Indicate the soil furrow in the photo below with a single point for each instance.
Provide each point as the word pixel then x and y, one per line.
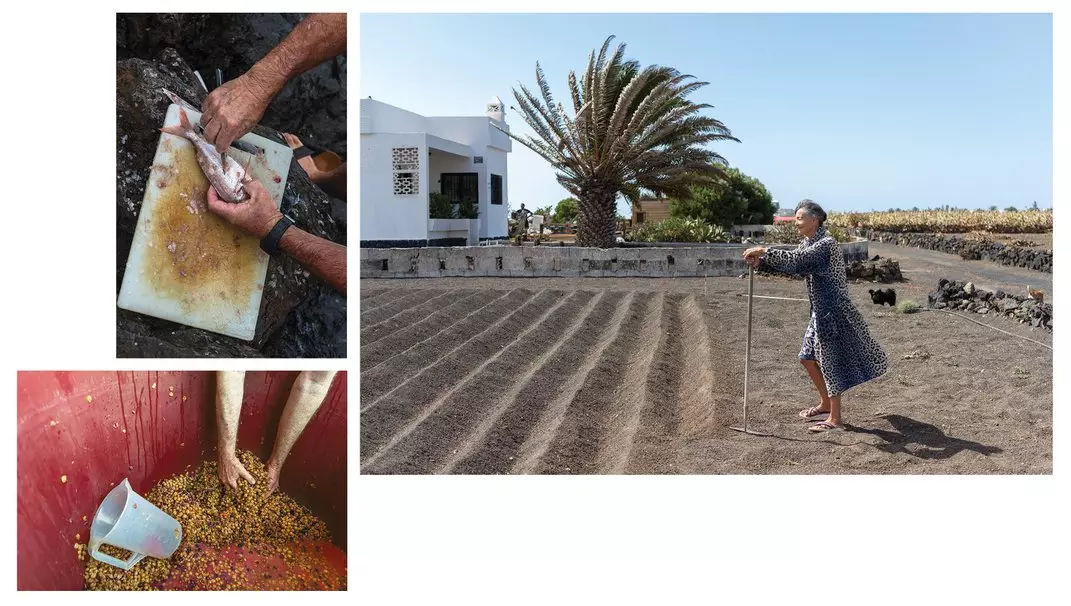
pixel 384 416
pixel 573 447
pixel 532 416
pixel 415 339
pixel 582 432
pixel 388 298
pixel 655 444
pixel 374 316
pixel 423 444
pixel 631 394
pixel 475 439
pixel 697 396
pixel 408 317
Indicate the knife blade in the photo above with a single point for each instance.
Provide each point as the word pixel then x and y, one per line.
pixel 247 147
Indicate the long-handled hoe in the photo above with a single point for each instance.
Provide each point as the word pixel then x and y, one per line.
pixel 747 354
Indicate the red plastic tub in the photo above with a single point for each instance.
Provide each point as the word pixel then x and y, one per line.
pixel 72 448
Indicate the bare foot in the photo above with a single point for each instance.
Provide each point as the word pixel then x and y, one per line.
pixel 306 163
pixel 814 411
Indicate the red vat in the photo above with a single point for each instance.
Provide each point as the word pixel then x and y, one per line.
pixel 71 427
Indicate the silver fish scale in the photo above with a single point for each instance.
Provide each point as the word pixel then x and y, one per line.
pixel 224 173
pixel 227 180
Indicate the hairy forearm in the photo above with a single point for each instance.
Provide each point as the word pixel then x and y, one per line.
pixel 230 386
pixel 305 399
pixel 317 38
pixel 323 258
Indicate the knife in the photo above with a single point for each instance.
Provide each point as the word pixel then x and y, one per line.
pixel 247 147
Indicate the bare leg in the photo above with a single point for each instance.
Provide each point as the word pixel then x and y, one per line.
pixel 305 399
pixel 333 182
pixel 230 389
pixel 834 411
pixel 815 373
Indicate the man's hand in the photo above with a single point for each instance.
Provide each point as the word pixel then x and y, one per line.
pixel 256 216
pixel 233 109
pixel 230 468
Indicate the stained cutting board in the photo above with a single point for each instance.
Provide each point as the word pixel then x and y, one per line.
pixel 186 265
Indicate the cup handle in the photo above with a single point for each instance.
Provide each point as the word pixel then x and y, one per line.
pixel 107 559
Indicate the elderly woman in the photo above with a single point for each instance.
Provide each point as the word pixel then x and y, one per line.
pixel 838 351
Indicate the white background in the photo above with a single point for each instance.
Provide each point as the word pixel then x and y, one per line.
pixel 461 540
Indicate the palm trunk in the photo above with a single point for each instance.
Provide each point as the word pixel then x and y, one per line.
pixel 598 212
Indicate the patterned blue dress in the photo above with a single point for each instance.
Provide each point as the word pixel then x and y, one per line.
pixel 837 335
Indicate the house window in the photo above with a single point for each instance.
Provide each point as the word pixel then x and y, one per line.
pixel 496 189
pixel 640 217
pixel 406 165
pixel 460 186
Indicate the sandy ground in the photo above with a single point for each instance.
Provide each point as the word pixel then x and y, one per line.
pixel 607 375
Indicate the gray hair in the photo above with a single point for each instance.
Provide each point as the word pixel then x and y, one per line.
pixel 812 209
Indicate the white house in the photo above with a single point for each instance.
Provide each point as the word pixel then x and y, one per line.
pixel 406 156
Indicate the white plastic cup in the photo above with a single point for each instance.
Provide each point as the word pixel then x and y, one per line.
pixel 125 519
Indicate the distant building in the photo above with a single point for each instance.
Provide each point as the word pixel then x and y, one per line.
pixel 650 210
pixel 405 157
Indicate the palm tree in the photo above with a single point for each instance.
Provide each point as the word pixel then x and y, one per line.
pixel 633 132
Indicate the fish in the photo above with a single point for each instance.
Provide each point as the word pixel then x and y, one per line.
pixel 224 173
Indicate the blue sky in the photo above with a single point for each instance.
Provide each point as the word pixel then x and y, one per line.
pixel 857 112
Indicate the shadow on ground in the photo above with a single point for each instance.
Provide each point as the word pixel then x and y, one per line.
pixel 932 442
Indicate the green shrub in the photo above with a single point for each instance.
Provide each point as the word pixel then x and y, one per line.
pixel 677 229
pixel 468 209
pixel 907 307
pixel 440 206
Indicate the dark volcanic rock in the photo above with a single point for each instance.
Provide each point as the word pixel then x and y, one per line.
pixel 293 300
pixel 969 249
pixel 312 106
pixel 962 295
pixel 885 271
pixel 316 328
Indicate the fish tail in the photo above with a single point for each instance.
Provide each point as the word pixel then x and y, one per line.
pixel 184 120
pixel 176 130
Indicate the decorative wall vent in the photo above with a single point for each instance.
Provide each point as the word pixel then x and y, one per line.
pixel 406 165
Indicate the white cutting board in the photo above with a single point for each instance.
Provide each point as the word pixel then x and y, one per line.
pixel 188 266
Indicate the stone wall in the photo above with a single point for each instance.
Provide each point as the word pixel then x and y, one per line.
pixel 566 261
pixel 1040 260
pixel 956 295
pixel 877 269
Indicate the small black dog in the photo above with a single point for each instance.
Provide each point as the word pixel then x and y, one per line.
pixel 883 296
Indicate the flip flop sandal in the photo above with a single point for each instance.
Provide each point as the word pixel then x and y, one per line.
pixel 823 426
pixel 325 160
pixel 811 412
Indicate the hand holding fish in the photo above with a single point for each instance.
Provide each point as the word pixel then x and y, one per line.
pixel 255 216
pixel 232 110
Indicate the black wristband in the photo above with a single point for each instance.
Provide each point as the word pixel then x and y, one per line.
pixel 270 242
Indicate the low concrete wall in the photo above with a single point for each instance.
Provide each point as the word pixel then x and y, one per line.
pixel 569 261
pixel 750 231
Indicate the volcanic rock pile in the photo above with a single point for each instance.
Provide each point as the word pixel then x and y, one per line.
pixel 877 269
pixel 963 296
